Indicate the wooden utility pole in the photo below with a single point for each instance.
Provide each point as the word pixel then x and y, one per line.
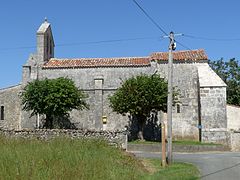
pixel 170 97
pixel 163 145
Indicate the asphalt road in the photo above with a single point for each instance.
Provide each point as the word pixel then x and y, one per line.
pixel 213 166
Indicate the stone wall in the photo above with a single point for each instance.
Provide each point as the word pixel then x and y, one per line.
pixel 222 136
pixel 213 107
pixel 117 138
pixel 185 79
pixel 235 140
pixel 217 135
pixel 98 83
pixel 10 101
pixel 233 117
pixel 212 97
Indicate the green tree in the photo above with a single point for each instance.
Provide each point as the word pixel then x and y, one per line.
pixel 54 98
pixel 229 71
pixel 139 96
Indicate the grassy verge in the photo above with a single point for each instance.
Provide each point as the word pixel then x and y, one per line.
pixel 64 158
pixel 174 172
pixel 189 142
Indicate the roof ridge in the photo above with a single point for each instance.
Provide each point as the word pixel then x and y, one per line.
pixel 10 87
pixel 184 56
pixel 97 62
pixel 134 57
pixel 197 54
pixel 201 49
pixel 94 58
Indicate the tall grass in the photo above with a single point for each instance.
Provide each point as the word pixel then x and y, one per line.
pixel 64 158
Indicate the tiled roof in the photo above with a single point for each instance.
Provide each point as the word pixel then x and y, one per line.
pixel 193 55
pixel 97 62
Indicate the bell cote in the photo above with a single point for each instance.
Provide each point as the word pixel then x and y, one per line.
pixel 45 42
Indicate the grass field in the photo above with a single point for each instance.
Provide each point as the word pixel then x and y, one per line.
pixel 64 158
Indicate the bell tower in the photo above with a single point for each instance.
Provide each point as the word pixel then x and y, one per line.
pixel 45 43
pixel 45 51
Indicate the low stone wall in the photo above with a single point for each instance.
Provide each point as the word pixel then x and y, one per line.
pixel 222 136
pixel 235 140
pixel 217 135
pixel 117 138
pixel 233 117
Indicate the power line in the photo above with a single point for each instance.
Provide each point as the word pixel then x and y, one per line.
pixel 184 45
pixel 108 41
pixel 156 24
pixel 150 18
pixel 211 39
pixel 84 43
pixel 17 48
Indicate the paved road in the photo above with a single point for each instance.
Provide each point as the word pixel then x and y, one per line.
pixel 213 166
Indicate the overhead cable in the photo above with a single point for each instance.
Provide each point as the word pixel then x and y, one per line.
pixel 211 39
pixel 150 18
pixel 84 43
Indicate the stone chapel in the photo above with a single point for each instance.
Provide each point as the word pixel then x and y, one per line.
pixel 202 107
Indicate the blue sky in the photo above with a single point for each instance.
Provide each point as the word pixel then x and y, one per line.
pixel 78 21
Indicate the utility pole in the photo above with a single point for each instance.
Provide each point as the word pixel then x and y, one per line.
pixel 163 145
pixel 172 47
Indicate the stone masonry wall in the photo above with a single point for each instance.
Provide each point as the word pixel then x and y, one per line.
pixel 235 140
pixel 233 117
pixel 9 99
pixel 185 79
pixel 117 138
pixel 218 135
pixel 213 107
pixel 98 83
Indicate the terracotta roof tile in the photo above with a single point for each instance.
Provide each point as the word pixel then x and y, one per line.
pixel 97 62
pixel 193 55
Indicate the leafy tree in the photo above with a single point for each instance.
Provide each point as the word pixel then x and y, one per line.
pixel 54 98
pixel 220 67
pixel 139 96
pixel 229 71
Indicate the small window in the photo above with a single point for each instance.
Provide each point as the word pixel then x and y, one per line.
pixel 178 108
pixel 2 112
